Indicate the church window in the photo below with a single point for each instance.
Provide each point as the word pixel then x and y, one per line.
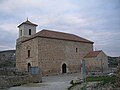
pixel 20 32
pixel 76 49
pixel 29 31
pixel 28 53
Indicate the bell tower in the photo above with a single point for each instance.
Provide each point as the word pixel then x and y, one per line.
pixel 27 28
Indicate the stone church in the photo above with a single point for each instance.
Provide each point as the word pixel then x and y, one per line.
pixel 53 52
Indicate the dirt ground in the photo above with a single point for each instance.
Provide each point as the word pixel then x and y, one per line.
pixel 59 82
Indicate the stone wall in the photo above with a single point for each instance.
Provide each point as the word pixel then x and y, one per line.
pixel 9 81
pixel 93 64
pixel 6 72
pixel 50 54
pixel 98 63
pixel 9 78
pixel 53 53
pixel 22 58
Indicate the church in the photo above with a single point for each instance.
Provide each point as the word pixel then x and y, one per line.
pixel 51 51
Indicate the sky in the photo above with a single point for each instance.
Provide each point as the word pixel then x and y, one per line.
pixel 95 20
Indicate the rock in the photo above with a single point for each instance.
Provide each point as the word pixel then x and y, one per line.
pixel 77 80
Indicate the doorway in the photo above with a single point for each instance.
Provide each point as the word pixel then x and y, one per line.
pixel 64 68
pixel 29 67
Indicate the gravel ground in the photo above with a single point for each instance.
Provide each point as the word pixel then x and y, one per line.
pixel 59 82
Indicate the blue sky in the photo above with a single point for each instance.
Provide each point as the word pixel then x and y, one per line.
pixel 96 20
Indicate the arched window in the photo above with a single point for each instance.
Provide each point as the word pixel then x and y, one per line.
pixel 28 53
pixel 64 70
pixel 76 49
pixel 20 32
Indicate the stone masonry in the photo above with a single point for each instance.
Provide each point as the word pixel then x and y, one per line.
pixel 49 54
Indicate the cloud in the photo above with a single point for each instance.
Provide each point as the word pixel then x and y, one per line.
pixel 9 28
pixel 7 40
pixel 95 20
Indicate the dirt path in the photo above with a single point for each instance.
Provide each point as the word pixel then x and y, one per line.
pixel 59 82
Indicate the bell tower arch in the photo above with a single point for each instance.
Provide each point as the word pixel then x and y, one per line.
pixel 27 28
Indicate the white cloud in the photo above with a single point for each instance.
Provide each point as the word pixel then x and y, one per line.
pixel 50 6
pixel 83 18
pixel 75 20
pixel 11 27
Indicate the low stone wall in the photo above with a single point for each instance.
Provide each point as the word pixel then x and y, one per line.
pixel 7 73
pixel 9 81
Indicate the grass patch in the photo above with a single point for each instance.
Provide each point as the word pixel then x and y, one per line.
pixel 103 79
pixel 100 81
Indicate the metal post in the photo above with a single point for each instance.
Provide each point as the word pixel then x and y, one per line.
pixel 84 74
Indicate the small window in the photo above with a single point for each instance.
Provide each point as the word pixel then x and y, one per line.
pixel 29 31
pixel 28 53
pixel 20 32
pixel 76 49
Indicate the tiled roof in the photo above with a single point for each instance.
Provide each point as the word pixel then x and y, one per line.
pixel 28 22
pixel 60 35
pixel 92 54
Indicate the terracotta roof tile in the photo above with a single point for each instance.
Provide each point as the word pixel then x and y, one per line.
pixel 60 35
pixel 92 54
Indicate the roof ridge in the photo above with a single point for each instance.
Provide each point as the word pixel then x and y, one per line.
pixel 57 32
pixel 96 51
pixel 65 33
pixel 60 35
